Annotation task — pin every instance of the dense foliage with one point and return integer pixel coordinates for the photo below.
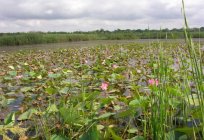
(134, 91)
(11, 39)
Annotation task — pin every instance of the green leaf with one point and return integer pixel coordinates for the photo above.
(11, 93)
(27, 115)
(100, 127)
(92, 134)
(57, 75)
(12, 73)
(32, 73)
(58, 137)
(70, 115)
(8, 78)
(3, 101)
(141, 102)
(10, 119)
(137, 138)
(188, 130)
(10, 101)
(155, 66)
(114, 136)
(183, 137)
(64, 90)
(26, 89)
(170, 135)
(65, 71)
(50, 90)
(193, 99)
(106, 115)
(135, 102)
(52, 109)
(126, 113)
(132, 130)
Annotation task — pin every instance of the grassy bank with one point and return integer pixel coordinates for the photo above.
(15, 39)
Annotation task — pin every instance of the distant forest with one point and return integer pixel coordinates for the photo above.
(13, 39)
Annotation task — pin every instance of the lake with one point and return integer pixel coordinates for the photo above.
(53, 46)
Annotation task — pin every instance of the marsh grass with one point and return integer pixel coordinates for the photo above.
(189, 88)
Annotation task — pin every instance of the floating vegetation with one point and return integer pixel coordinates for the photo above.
(133, 91)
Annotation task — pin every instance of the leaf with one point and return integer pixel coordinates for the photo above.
(183, 137)
(137, 138)
(155, 66)
(11, 67)
(106, 115)
(32, 73)
(26, 89)
(141, 102)
(10, 101)
(39, 77)
(170, 135)
(26, 64)
(52, 109)
(65, 71)
(27, 115)
(10, 119)
(92, 134)
(11, 93)
(57, 75)
(132, 130)
(100, 127)
(3, 101)
(114, 136)
(50, 90)
(126, 113)
(188, 130)
(8, 78)
(64, 90)
(12, 73)
(193, 99)
(70, 115)
(135, 102)
(58, 137)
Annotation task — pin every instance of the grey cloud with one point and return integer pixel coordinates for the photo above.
(65, 10)
(93, 14)
(159, 10)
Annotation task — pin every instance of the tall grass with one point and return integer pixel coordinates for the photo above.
(197, 69)
(11, 39)
(190, 88)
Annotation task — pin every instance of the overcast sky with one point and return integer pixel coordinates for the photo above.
(86, 15)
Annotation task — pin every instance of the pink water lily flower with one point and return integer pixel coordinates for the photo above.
(153, 82)
(19, 77)
(50, 72)
(115, 66)
(104, 86)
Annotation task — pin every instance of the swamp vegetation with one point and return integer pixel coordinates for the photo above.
(135, 91)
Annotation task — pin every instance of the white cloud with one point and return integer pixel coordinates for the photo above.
(72, 15)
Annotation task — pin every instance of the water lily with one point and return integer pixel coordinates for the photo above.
(115, 66)
(50, 72)
(19, 77)
(104, 86)
(153, 82)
